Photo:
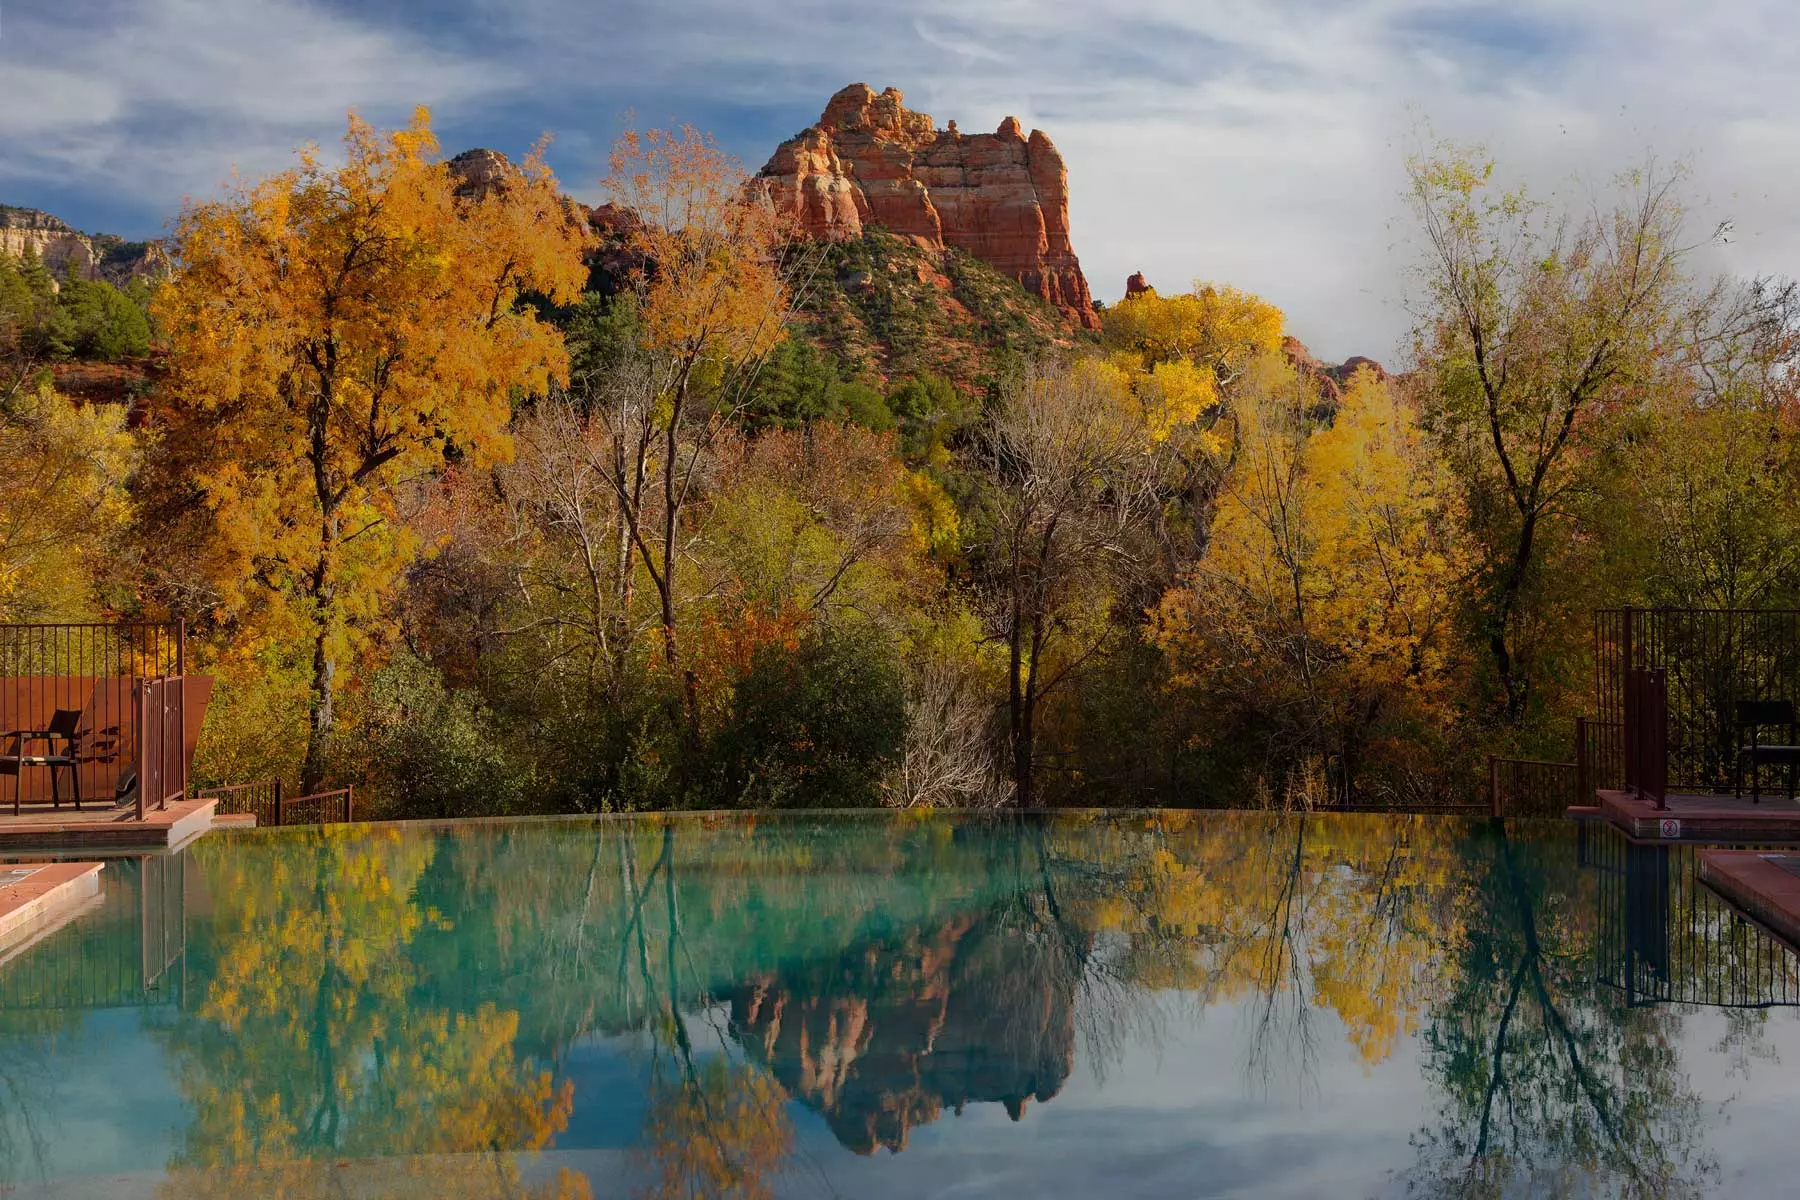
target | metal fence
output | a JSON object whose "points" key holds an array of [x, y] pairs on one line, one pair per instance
{"points": [[320, 808], [1711, 660], [270, 805], [1526, 787], [1665, 937], [88, 680], [260, 800], [128, 951]]}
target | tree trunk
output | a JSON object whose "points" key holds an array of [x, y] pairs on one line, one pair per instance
{"points": [[1517, 690], [324, 665]]}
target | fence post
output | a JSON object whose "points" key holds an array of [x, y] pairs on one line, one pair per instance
{"points": [[349, 801], [181, 646], [1493, 785], [280, 804], [140, 703], [1583, 774]]}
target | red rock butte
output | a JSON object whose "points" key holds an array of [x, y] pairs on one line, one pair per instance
{"points": [[1001, 196]]}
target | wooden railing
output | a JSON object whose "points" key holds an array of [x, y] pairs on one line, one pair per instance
{"points": [[320, 808], [270, 805]]}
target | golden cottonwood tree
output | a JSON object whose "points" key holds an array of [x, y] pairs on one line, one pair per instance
{"points": [[62, 495], [336, 329], [1323, 607], [1182, 357]]}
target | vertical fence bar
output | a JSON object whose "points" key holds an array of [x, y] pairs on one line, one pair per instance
{"points": [[1584, 791]]}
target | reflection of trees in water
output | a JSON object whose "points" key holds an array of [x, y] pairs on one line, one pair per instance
{"points": [[1287, 918], [310, 1047], [713, 1126], [883, 972], [27, 1076], [1551, 1084]]}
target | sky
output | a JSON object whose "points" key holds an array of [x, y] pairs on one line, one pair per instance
{"points": [[1260, 143]]}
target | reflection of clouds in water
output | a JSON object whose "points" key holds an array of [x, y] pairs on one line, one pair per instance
{"points": [[1121, 976]]}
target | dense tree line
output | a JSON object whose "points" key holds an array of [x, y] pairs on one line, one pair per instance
{"points": [[490, 521]]}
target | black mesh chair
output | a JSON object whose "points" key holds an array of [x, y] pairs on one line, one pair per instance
{"points": [[1753, 716], [64, 727]]}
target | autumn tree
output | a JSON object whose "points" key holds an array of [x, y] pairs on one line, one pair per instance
{"points": [[63, 466], [335, 330], [1704, 512], [1072, 454], [1538, 328], [710, 287], [1184, 356], [1323, 609]]}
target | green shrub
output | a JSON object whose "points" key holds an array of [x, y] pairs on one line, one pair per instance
{"points": [[427, 750], [819, 727]]}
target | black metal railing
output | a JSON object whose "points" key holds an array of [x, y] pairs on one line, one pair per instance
{"points": [[1665, 937], [260, 800], [1711, 659], [1528, 787], [269, 803], [320, 808]]}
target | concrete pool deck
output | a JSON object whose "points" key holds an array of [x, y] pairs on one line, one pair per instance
{"points": [[103, 828], [1698, 818], [1765, 884], [37, 899]]}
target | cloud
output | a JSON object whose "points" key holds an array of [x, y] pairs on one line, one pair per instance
{"points": [[163, 97], [1259, 142]]}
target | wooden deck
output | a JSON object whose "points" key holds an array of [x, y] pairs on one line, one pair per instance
{"points": [[42, 829], [1763, 884], [1700, 818]]}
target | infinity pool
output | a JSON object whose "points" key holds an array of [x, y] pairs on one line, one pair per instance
{"points": [[1175, 1004]]}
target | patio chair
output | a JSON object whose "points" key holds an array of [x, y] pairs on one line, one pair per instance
{"points": [[1753, 716], [65, 725]]}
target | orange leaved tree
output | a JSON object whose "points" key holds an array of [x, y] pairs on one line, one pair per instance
{"points": [[335, 330]]}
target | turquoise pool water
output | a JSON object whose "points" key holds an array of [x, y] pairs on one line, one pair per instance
{"points": [[1205, 1004]]}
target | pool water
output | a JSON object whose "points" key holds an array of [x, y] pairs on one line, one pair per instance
{"points": [[879, 1005]]}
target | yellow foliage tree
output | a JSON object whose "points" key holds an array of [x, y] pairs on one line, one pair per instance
{"points": [[1322, 608], [1180, 352], [334, 330], [62, 492]]}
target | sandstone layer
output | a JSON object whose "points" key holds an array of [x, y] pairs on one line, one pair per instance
{"points": [[26, 231], [1003, 196]]}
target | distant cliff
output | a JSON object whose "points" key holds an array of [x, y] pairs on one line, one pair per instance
{"points": [[97, 256], [1002, 197]]}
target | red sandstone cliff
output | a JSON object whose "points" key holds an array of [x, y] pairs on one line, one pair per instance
{"points": [[1001, 196]]}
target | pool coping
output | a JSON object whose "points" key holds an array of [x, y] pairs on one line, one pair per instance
{"points": [[43, 900]]}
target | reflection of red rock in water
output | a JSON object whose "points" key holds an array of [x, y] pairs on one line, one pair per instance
{"points": [[885, 1037]]}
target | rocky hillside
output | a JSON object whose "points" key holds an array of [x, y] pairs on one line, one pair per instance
{"points": [[1003, 197], [96, 256], [889, 307]]}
